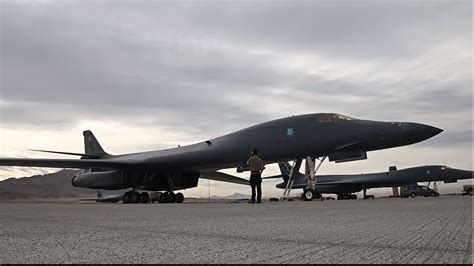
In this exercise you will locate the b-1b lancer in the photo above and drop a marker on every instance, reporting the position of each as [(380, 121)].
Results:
[(345, 185), (339, 137)]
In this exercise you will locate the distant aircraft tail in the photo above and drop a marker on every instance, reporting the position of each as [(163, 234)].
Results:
[(92, 146), (285, 169)]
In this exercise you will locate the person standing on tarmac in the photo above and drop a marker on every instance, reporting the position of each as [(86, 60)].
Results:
[(256, 169)]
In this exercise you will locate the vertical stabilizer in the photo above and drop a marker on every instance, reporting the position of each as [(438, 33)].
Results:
[(285, 169), (92, 146)]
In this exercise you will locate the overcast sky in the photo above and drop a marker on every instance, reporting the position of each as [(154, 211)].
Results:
[(146, 75)]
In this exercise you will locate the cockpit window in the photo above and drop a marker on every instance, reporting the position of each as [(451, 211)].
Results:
[(326, 118), (342, 118)]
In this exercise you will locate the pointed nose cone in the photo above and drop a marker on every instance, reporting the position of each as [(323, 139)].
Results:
[(414, 132)]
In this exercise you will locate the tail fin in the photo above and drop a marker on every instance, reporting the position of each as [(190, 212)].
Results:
[(92, 146), (285, 169)]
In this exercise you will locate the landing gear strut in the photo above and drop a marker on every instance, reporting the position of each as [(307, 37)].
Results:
[(367, 196), (310, 192)]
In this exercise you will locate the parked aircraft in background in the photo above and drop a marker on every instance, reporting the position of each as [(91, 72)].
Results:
[(345, 185), (108, 198), (339, 137)]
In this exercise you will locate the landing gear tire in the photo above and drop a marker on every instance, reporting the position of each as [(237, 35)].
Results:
[(339, 197), (134, 197), (126, 198), (412, 195), (144, 197), (163, 198), (168, 197), (308, 194), (318, 196), (353, 196), (347, 196), (179, 198), (171, 197)]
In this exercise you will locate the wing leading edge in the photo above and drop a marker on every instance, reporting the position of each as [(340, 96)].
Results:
[(67, 163), (218, 176)]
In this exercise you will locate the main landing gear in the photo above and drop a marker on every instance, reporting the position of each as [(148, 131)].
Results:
[(135, 197), (170, 197), (346, 196)]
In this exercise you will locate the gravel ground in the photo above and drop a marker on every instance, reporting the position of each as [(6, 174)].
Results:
[(420, 230)]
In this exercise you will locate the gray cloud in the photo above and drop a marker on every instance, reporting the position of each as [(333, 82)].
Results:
[(451, 140), (357, 29), (212, 67)]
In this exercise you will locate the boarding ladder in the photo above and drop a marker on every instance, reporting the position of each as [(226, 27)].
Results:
[(289, 184), (291, 180)]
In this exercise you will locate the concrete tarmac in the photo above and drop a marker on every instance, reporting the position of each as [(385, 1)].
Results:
[(419, 230)]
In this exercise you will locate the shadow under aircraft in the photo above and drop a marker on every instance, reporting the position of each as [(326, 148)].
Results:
[(339, 137), (345, 185)]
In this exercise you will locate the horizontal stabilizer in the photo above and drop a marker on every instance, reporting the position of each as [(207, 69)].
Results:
[(218, 176), (275, 176), (90, 156)]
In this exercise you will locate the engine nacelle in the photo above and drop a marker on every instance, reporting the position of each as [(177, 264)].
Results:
[(347, 156), (99, 180)]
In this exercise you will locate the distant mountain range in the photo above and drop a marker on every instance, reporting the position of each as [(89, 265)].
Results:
[(58, 186), (233, 196), (48, 186)]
